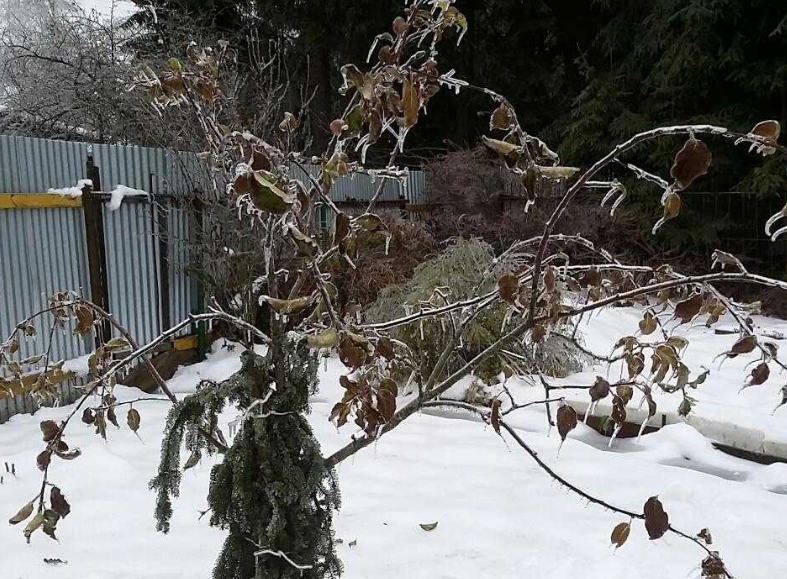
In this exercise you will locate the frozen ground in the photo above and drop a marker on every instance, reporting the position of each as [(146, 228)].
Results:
[(498, 515), (744, 419)]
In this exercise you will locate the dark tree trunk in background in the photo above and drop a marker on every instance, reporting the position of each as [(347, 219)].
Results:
[(321, 110)]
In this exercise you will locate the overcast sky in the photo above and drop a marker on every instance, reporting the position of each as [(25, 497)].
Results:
[(122, 7)]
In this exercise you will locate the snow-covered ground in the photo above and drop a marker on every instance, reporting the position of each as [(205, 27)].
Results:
[(498, 515), (744, 419)]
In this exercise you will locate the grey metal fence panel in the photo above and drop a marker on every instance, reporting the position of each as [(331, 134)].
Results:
[(133, 269), (42, 251), (362, 186), (182, 289)]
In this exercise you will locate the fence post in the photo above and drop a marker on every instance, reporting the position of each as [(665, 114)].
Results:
[(160, 210), (96, 246)]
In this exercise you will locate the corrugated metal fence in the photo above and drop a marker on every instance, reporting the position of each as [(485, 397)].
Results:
[(43, 251)]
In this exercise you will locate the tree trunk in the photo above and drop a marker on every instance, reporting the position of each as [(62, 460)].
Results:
[(321, 110)]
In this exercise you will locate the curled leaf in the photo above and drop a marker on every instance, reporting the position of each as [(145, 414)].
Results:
[(743, 346), (618, 411), (411, 103), (85, 320), (59, 503), (386, 398), (495, 416), (133, 419), (288, 306), (691, 162), (290, 123), (759, 375), (768, 130), (342, 228), (501, 118), (22, 515), (689, 308), (656, 520), (501, 147), (620, 534), (508, 285), (599, 390), (43, 459), (671, 203), (192, 461), (351, 353), (88, 416), (49, 429), (566, 420), (625, 393), (327, 339), (428, 526), (34, 524), (385, 348), (647, 325)]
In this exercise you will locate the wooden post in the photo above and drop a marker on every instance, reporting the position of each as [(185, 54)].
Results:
[(160, 212), (96, 247), (199, 225)]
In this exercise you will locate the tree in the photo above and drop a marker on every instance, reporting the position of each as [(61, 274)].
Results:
[(62, 72), (673, 62), (272, 484), (541, 288)]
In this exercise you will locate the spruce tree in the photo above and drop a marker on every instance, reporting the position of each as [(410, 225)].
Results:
[(272, 491)]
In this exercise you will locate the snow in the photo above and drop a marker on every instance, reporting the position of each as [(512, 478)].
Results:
[(743, 419), (121, 192), (122, 8), (498, 514), (74, 192), (79, 366)]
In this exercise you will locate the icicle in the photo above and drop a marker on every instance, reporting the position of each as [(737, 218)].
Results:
[(363, 152), (559, 446), (589, 411), (387, 244), (371, 50), (642, 428), (421, 329), (614, 435)]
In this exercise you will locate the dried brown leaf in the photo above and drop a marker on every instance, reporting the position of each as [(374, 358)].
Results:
[(691, 162), (566, 420), (648, 324), (743, 346), (133, 419), (59, 503), (49, 429), (599, 390), (508, 286), (770, 130), (689, 308), (495, 416), (656, 520), (620, 534), (760, 374), (22, 515)]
